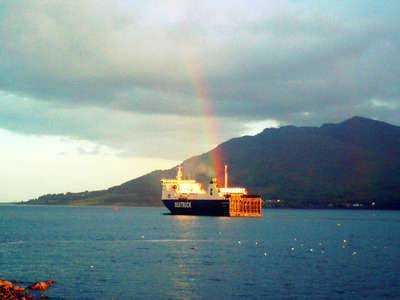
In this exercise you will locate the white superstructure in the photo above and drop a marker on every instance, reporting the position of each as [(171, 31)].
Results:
[(190, 189)]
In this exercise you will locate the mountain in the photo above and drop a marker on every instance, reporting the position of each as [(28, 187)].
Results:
[(353, 163)]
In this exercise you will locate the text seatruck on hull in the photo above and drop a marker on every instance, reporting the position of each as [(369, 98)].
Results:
[(187, 197)]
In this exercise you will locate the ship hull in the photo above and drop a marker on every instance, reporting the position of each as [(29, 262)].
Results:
[(197, 207)]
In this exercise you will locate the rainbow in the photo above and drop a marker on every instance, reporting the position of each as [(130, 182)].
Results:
[(209, 127)]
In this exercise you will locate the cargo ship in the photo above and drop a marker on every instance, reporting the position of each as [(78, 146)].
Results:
[(187, 197)]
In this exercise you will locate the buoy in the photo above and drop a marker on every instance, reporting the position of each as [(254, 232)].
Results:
[(116, 209)]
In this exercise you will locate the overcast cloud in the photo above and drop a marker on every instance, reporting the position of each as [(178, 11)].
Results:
[(169, 79)]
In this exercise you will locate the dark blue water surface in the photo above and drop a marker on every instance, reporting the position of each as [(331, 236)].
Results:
[(140, 253)]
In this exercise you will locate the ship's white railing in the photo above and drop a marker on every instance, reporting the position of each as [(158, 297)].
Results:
[(174, 181), (191, 188), (233, 190), (183, 186)]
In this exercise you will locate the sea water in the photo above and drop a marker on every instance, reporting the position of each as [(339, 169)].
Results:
[(141, 253)]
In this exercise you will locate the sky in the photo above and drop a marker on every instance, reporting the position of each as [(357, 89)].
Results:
[(96, 93)]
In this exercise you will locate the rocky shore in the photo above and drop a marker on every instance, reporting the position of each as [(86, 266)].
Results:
[(10, 291)]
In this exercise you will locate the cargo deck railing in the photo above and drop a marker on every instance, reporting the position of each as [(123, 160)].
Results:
[(245, 205)]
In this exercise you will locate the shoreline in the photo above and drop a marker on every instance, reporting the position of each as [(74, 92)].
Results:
[(10, 291)]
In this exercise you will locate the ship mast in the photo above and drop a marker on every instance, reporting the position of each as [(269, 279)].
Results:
[(226, 176), (179, 175)]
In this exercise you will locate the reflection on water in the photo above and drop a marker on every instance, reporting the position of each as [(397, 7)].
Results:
[(183, 285), (97, 253)]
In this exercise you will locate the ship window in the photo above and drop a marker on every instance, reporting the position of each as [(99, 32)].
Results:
[(211, 191)]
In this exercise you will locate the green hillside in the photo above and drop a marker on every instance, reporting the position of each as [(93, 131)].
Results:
[(353, 163)]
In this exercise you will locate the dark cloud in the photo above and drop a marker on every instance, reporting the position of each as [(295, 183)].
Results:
[(105, 63)]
